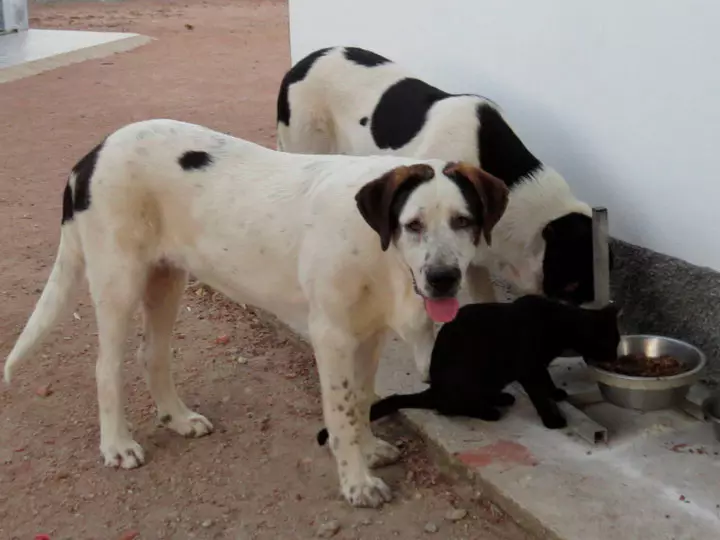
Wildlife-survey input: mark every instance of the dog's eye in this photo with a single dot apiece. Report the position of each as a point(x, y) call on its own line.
point(461, 222)
point(415, 226)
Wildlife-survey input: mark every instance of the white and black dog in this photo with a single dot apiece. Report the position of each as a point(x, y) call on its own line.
point(349, 247)
point(347, 100)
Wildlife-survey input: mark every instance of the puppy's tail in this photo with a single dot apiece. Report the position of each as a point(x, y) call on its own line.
point(391, 404)
point(55, 299)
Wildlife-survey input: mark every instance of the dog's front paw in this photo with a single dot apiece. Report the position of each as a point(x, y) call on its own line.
point(189, 424)
point(554, 422)
point(126, 454)
point(559, 394)
point(369, 492)
point(379, 453)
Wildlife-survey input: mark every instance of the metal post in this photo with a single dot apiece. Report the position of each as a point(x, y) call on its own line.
point(601, 256)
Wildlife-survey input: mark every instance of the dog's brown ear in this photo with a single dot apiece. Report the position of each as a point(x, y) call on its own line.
point(375, 199)
point(491, 192)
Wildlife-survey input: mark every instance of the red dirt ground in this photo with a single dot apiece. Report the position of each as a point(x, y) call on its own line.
point(260, 475)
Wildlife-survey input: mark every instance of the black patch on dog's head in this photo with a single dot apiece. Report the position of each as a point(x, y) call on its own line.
point(83, 172)
point(364, 121)
point(295, 74)
point(502, 153)
point(381, 201)
point(568, 262)
point(194, 160)
point(364, 57)
point(401, 112)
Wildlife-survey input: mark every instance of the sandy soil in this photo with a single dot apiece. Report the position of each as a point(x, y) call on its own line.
point(260, 475)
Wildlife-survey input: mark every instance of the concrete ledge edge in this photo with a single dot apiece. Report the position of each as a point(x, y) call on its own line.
point(42, 65)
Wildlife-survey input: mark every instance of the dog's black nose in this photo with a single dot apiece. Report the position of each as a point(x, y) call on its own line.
point(444, 280)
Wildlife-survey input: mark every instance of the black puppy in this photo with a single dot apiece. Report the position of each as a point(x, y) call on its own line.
point(488, 346)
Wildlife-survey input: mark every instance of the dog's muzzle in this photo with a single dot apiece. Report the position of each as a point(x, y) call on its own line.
point(443, 281)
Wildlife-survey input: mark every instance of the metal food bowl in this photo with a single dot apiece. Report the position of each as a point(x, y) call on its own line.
point(650, 393)
point(711, 410)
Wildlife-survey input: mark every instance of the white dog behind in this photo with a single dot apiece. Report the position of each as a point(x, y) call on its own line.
point(291, 234)
point(347, 100)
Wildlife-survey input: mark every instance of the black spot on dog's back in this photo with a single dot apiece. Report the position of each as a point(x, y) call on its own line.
point(502, 153)
point(194, 160)
point(83, 172)
point(364, 57)
point(296, 74)
point(401, 112)
point(364, 121)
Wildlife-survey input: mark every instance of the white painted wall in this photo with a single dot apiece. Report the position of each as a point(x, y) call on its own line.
point(13, 15)
point(622, 97)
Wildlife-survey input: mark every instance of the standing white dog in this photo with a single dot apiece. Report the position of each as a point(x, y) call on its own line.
point(347, 100)
point(290, 234)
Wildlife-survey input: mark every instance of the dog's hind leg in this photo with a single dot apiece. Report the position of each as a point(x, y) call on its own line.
point(377, 452)
point(163, 292)
point(116, 282)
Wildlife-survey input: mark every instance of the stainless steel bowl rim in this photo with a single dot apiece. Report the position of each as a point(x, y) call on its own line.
point(678, 377)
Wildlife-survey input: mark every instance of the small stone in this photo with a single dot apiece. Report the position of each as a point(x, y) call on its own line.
point(329, 529)
point(456, 514)
point(207, 523)
point(431, 528)
point(242, 360)
point(225, 399)
point(44, 390)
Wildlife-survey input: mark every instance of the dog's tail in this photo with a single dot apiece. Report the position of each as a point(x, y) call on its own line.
point(55, 299)
point(391, 404)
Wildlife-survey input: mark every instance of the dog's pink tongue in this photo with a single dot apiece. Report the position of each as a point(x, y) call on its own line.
point(442, 310)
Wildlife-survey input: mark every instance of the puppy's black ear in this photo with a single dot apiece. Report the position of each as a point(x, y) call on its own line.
point(489, 191)
point(377, 200)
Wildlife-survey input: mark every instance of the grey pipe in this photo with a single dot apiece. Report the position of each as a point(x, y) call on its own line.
point(601, 256)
